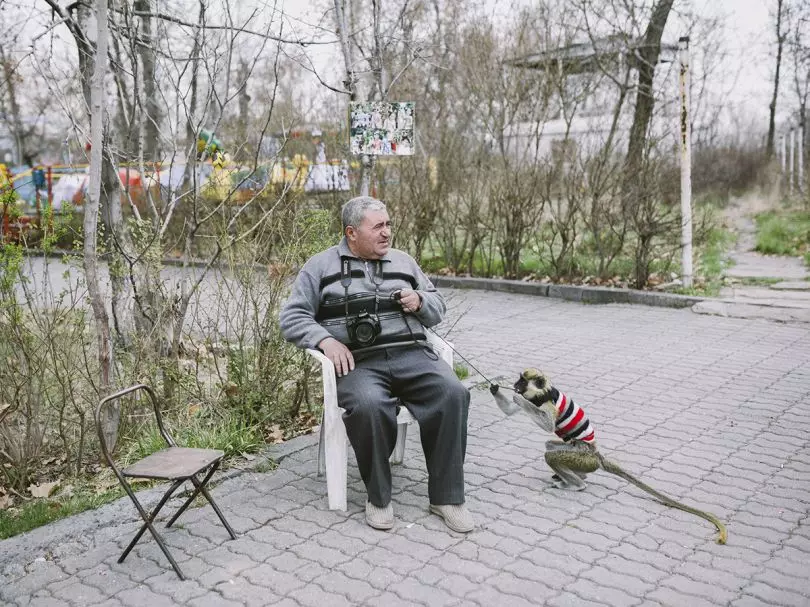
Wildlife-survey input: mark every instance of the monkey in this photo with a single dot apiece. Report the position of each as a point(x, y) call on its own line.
point(576, 455)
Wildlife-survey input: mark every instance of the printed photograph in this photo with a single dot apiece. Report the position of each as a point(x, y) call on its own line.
point(382, 128)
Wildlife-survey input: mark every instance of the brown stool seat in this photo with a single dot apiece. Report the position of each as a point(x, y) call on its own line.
point(173, 463)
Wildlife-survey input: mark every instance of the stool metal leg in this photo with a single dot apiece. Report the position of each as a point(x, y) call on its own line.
point(196, 492)
point(148, 518)
point(217, 510)
point(200, 487)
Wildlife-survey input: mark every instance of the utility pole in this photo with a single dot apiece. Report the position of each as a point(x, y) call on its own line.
point(792, 159)
point(801, 159)
point(686, 164)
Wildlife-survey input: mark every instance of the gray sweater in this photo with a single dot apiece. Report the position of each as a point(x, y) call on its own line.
point(315, 309)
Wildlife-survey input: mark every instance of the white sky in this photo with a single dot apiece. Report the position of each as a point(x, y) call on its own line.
point(746, 37)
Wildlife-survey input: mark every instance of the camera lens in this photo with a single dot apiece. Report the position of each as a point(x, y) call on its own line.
point(364, 332)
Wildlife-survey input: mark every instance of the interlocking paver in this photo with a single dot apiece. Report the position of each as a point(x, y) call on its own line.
point(267, 576)
point(677, 399)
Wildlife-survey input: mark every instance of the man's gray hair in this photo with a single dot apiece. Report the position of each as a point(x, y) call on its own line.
point(353, 211)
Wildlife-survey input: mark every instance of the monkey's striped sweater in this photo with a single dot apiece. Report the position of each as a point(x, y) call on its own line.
point(572, 422)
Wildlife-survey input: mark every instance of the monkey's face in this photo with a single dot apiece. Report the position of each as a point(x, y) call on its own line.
point(534, 387)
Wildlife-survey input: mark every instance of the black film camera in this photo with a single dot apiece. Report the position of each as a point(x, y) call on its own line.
point(364, 328)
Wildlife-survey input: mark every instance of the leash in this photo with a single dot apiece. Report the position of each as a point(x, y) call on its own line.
point(447, 343)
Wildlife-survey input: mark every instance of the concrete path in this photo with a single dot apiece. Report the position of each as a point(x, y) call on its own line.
point(750, 264)
point(787, 300)
point(714, 411)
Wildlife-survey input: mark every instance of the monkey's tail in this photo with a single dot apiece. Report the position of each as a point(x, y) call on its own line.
point(614, 468)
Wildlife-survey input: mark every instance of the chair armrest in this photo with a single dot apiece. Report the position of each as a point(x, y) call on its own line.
point(442, 348)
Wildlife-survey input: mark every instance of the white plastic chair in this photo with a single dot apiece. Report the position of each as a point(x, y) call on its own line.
point(333, 448)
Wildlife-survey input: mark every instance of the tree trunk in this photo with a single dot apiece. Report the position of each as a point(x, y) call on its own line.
point(243, 125)
point(780, 42)
point(14, 122)
point(189, 175)
point(95, 87)
point(647, 60)
point(351, 81)
point(151, 110)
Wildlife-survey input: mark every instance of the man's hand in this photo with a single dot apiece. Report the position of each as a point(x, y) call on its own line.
point(409, 300)
point(339, 354)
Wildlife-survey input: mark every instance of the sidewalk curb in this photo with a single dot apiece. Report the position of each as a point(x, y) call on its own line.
point(578, 293)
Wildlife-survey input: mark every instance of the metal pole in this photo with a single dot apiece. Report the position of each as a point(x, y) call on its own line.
point(801, 160)
point(686, 164)
point(792, 159)
point(782, 164)
point(50, 188)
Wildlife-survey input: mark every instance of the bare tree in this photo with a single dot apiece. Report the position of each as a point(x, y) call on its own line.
point(91, 212)
point(799, 48)
point(647, 59)
point(781, 36)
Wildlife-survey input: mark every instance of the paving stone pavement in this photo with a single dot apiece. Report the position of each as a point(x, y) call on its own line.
point(714, 411)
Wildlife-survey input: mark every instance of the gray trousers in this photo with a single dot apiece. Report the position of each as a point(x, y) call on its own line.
point(369, 395)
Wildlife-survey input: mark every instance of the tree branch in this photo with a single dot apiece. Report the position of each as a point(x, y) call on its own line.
point(178, 21)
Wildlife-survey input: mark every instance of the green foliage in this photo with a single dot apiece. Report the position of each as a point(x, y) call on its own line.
point(462, 372)
point(783, 232)
point(267, 382)
point(713, 257)
point(317, 232)
point(11, 258)
point(40, 512)
point(228, 434)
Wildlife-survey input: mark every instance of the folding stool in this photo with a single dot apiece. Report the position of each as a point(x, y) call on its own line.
point(175, 464)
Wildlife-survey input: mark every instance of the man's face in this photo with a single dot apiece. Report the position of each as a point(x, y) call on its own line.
point(372, 238)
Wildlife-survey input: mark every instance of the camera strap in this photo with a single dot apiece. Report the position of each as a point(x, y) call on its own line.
point(346, 281)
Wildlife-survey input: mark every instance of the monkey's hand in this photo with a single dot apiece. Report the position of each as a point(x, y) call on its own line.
point(502, 402)
point(544, 416)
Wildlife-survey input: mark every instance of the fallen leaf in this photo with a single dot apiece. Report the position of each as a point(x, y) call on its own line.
point(5, 501)
point(276, 434)
point(43, 490)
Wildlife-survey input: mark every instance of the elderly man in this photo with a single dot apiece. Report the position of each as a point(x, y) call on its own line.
point(366, 306)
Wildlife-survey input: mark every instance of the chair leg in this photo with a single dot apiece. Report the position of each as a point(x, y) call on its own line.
point(399, 448)
point(218, 511)
point(148, 519)
point(200, 488)
point(322, 448)
point(337, 453)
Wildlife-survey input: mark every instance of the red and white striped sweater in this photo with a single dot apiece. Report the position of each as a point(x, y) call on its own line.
point(572, 421)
